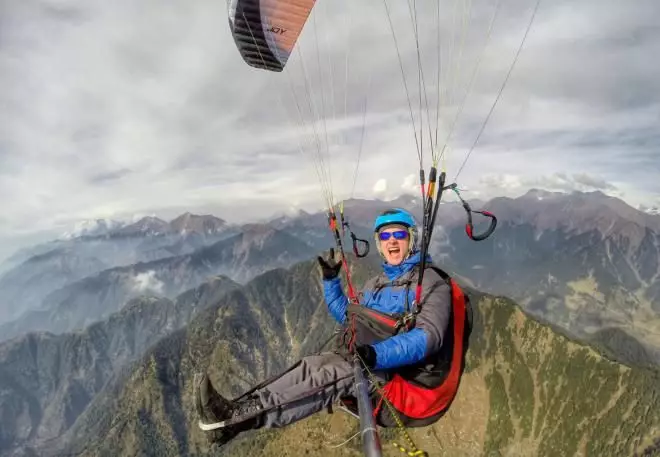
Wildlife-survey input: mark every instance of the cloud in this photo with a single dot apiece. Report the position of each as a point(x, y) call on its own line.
point(109, 176)
point(380, 187)
point(111, 109)
point(410, 184)
point(515, 185)
point(655, 210)
point(506, 182)
point(593, 182)
point(147, 282)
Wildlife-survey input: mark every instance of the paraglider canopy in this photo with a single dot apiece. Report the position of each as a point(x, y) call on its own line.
point(266, 31)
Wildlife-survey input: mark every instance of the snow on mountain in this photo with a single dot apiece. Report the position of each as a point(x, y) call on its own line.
point(92, 227)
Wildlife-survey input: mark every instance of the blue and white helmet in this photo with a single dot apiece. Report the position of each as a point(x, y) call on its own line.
point(398, 216)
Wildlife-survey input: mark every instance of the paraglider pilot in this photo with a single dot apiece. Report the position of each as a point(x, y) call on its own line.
point(415, 350)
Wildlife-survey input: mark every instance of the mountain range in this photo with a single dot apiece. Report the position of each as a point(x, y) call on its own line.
point(123, 386)
point(586, 262)
point(254, 250)
point(42, 269)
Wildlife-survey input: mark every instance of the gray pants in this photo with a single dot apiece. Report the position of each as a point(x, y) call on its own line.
point(317, 382)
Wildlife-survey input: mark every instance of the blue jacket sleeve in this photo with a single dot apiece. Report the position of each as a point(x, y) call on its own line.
point(335, 299)
point(403, 349)
point(430, 328)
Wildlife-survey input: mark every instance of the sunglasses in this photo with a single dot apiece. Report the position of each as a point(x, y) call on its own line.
point(398, 235)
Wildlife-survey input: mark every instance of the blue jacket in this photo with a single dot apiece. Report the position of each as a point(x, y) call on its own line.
point(431, 323)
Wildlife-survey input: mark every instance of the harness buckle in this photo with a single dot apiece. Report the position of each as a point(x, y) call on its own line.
point(407, 321)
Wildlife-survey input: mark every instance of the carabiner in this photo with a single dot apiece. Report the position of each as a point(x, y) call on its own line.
point(356, 246)
point(469, 228)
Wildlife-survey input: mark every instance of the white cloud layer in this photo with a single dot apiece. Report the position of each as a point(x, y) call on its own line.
point(114, 109)
point(148, 282)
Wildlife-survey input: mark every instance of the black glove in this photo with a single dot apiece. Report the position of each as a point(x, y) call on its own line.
point(329, 267)
point(367, 354)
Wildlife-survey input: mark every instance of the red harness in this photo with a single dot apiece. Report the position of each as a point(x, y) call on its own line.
point(421, 397)
point(421, 403)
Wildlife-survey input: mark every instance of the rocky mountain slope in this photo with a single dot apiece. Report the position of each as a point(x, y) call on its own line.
point(25, 286)
point(47, 381)
point(586, 262)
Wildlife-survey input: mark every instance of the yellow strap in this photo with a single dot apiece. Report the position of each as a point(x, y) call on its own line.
point(416, 453)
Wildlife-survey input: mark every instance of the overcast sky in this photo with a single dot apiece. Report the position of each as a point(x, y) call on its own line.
point(124, 108)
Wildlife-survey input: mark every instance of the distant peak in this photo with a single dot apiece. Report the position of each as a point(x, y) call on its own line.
point(150, 221)
point(206, 223)
point(148, 225)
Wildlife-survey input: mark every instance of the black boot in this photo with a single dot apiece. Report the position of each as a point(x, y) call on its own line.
point(213, 408)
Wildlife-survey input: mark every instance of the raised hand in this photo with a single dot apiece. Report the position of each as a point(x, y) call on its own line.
point(329, 266)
